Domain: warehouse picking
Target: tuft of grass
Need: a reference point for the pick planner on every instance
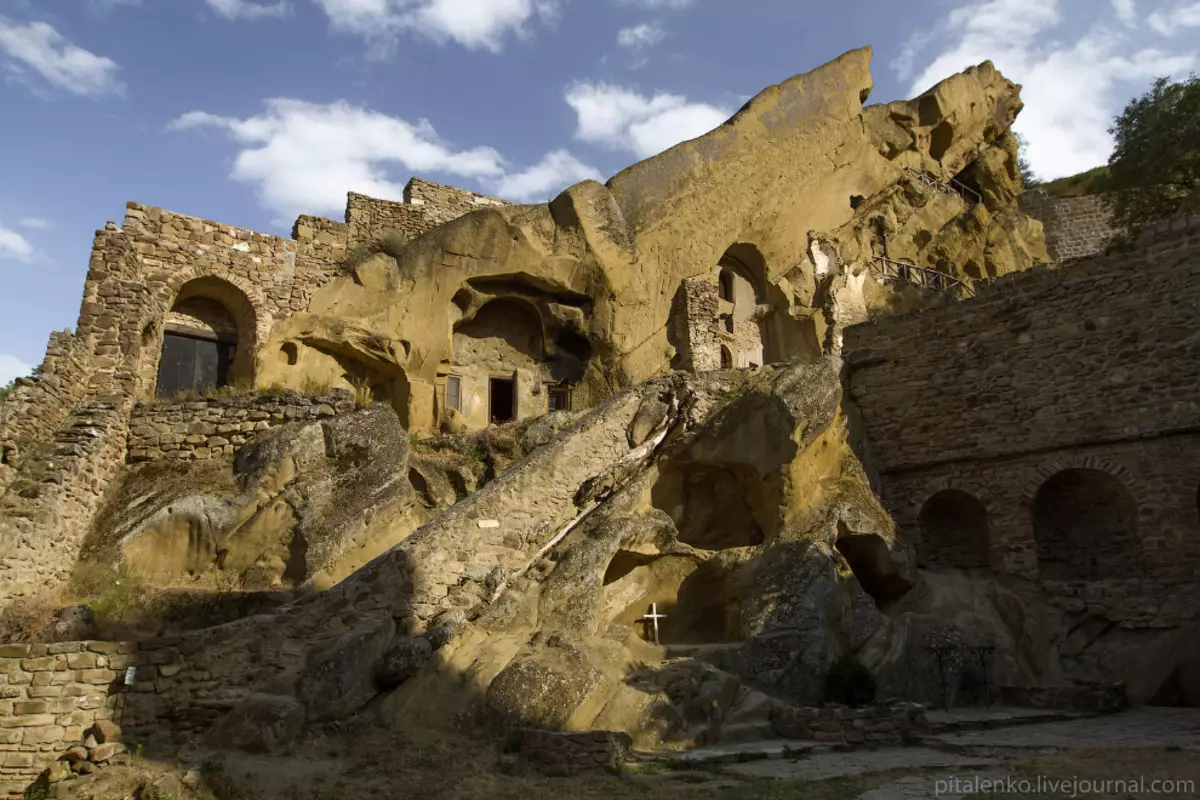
(393, 243)
(1090, 182)
(314, 387)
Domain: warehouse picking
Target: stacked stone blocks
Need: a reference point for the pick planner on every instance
(217, 427)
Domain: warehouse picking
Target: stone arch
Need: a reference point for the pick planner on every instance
(741, 286)
(954, 531)
(726, 358)
(242, 299)
(506, 323)
(1085, 527)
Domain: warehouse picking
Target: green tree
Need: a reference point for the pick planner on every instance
(1156, 163)
(1028, 179)
(4, 390)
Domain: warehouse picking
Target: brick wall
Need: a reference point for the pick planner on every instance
(215, 427)
(1075, 226)
(442, 203)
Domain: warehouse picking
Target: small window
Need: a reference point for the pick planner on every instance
(725, 285)
(454, 393)
(727, 324)
(726, 358)
(558, 398)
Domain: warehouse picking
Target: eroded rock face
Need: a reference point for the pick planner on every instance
(794, 196)
(306, 505)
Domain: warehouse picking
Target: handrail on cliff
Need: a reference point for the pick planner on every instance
(953, 187)
(890, 271)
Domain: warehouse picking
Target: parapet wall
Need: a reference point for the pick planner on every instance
(217, 427)
(1076, 227)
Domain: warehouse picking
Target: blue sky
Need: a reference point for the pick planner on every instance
(253, 112)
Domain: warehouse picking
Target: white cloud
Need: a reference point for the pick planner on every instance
(641, 36)
(474, 24)
(38, 46)
(1126, 11)
(1071, 89)
(35, 223)
(12, 367)
(242, 9)
(620, 118)
(656, 4)
(303, 157)
(558, 170)
(1168, 23)
(14, 246)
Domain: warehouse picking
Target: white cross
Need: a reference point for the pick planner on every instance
(652, 618)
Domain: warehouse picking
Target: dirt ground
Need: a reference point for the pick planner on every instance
(373, 762)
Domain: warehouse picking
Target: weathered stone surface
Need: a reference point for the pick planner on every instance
(261, 723)
(340, 679)
(402, 660)
(105, 731)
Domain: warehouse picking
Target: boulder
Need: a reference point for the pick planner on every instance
(403, 660)
(339, 679)
(106, 752)
(543, 690)
(261, 723)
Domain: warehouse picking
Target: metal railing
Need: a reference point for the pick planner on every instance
(953, 187)
(890, 271)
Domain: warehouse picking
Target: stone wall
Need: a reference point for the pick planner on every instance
(47, 510)
(1075, 227)
(1090, 367)
(881, 725)
(694, 322)
(50, 695)
(441, 203)
(36, 406)
(562, 755)
(215, 427)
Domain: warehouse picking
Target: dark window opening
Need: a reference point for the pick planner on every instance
(193, 364)
(726, 358)
(727, 324)
(502, 392)
(454, 392)
(857, 200)
(558, 398)
(725, 286)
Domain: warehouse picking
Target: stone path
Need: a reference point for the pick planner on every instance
(949, 761)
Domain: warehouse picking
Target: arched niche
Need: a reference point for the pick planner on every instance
(1085, 525)
(954, 531)
(208, 339)
(741, 281)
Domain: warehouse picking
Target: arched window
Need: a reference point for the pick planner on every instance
(726, 358)
(954, 532)
(208, 338)
(1085, 524)
(741, 274)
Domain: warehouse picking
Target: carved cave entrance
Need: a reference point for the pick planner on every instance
(741, 274)
(207, 339)
(1085, 524)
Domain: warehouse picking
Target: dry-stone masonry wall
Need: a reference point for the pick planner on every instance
(214, 427)
(50, 694)
(1076, 227)
(1092, 368)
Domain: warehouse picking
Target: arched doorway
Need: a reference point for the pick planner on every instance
(741, 274)
(954, 532)
(1085, 524)
(208, 339)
